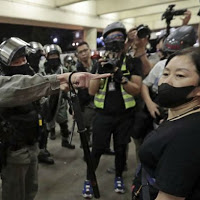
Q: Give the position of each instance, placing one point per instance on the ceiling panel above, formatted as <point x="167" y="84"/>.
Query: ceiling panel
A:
<point x="95" y="13"/>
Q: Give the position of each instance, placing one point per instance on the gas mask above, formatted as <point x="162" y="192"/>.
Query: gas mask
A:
<point x="114" y="43"/>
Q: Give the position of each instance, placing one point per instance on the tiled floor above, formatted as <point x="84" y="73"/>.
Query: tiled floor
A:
<point x="64" y="180"/>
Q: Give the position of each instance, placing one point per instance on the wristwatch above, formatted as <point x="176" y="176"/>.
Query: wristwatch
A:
<point x="124" y="80"/>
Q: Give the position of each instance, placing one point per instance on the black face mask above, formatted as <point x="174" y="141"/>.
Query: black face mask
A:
<point x="13" y="70"/>
<point x="114" y="46"/>
<point x="53" y="63"/>
<point x="34" y="60"/>
<point x="115" y="42"/>
<point x="171" y="97"/>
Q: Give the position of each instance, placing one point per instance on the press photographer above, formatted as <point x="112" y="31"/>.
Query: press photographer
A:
<point x="114" y="44"/>
<point x="136" y="45"/>
<point x="114" y="101"/>
<point x="169" y="14"/>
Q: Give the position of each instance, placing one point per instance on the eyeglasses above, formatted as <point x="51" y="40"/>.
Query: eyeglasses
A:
<point x="83" y="51"/>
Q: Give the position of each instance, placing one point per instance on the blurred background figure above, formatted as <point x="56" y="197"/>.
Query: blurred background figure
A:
<point x="95" y="56"/>
<point x="69" y="63"/>
<point x="33" y="59"/>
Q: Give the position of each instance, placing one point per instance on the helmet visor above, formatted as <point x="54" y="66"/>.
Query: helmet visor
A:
<point x="9" y="48"/>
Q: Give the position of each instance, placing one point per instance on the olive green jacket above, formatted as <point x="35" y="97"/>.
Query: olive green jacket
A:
<point x="22" y="89"/>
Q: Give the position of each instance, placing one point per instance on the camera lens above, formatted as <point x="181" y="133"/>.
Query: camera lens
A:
<point x="143" y="31"/>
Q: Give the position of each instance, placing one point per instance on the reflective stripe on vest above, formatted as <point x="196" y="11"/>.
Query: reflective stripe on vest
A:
<point x="99" y="98"/>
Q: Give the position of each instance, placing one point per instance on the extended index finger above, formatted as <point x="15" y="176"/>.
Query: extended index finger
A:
<point x="98" y="76"/>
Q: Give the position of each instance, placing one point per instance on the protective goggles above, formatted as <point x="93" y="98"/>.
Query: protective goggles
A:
<point x="114" y="37"/>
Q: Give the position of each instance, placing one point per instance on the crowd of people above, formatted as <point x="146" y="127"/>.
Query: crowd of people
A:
<point x="122" y="96"/>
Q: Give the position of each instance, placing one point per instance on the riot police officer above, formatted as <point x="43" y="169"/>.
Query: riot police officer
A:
<point x="34" y="60"/>
<point x="19" y="172"/>
<point x="69" y="63"/>
<point x="53" y="66"/>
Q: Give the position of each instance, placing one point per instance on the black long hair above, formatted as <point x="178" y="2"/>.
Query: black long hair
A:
<point x="192" y="52"/>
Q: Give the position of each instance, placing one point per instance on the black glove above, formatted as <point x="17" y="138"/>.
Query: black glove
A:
<point x="118" y="76"/>
<point x="100" y="69"/>
<point x="106" y="66"/>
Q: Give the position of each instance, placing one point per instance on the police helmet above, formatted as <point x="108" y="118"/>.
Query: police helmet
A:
<point x="37" y="46"/>
<point x="181" y="38"/>
<point x="68" y="59"/>
<point x="13" y="48"/>
<point x="116" y="26"/>
<point x="52" y="49"/>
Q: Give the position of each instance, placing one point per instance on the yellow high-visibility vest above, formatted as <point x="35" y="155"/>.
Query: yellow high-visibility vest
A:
<point x="129" y="100"/>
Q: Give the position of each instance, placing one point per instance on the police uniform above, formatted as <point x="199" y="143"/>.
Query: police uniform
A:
<point x="26" y="88"/>
<point x="19" y="145"/>
<point x="54" y="66"/>
<point x="21" y="168"/>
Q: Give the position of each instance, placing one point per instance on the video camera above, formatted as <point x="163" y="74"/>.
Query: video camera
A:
<point x="170" y="12"/>
<point x="143" y="31"/>
<point x="110" y="62"/>
<point x="110" y="65"/>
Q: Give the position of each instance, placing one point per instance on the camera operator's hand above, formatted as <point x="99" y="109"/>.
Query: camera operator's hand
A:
<point x="100" y="69"/>
<point x="118" y="75"/>
<point x="131" y="35"/>
<point x="106" y="66"/>
<point x="141" y="43"/>
<point x="187" y="17"/>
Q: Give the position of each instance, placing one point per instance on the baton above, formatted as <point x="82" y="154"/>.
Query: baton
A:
<point x="72" y="131"/>
<point x="82" y="131"/>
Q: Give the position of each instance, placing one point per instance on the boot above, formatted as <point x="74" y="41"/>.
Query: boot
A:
<point x="65" y="136"/>
<point x="44" y="158"/>
<point x="65" y="143"/>
<point x="52" y="134"/>
<point x="47" y="152"/>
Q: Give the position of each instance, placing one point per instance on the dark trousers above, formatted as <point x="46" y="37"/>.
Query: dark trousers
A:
<point x="103" y="126"/>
